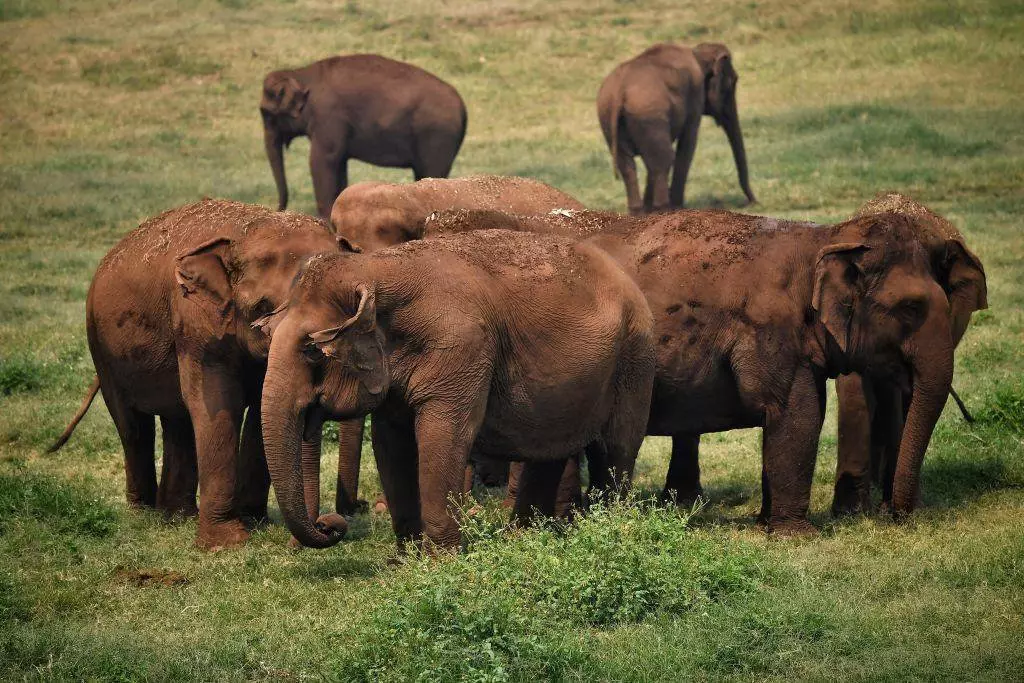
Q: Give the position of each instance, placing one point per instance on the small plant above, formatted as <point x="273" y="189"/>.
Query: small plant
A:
<point x="1006" y="408"/>
<point x="20" y="374"/>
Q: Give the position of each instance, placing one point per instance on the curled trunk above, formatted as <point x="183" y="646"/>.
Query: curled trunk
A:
<point x="275" y="153"/>
<point x="283" y="428"/>
<point x="932" y="363"/>
<point x="731" y="124"/>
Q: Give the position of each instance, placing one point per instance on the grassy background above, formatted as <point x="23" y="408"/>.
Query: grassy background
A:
<point x="113" y="111"/>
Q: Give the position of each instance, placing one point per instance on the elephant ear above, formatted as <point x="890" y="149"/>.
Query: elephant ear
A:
<point x="356" y="344"/>
<point x="285" y="94"/>
<point x="964" y="276"/>
<point x="837" y="274"/>
<point x="204" y="276"/>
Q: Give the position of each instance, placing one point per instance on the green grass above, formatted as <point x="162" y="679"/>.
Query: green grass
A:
<point x="115" y="111"/>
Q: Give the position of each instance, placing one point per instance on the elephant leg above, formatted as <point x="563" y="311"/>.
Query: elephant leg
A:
<point x="137" y="431"/>
<point x="179" y="475"/>
<point x="853" y="465"/>
<point x="216" y="403"/>
<point x="538" y="488"/>
<point x="886" y="433"/>
<point x="350" y="453"/>
<point x="253" y="484"/>
<point x="684" y="157"/>
<point x="394" y="449"/>
<point x="627" y="169"/>
<point x="568" y="497"/>
<point x="444" y="442"/>
<point x="515" y="476"/>
<point x="329" y="168"/>
<point x="654" y="143"/>
<point x="682" y="484"/>
<point x="790" y="446"/>
<point x="601" y="483"/>
<point x="435" y="156"/>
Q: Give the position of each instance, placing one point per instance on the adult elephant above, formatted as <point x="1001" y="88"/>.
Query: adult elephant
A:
<point x="656" y="100"/>
<point x="752" y="315"/>
<point x="364" y="107"/>
<point x="872" y="410"/>
<point x="370" y="216"/>
<point x="168" y="316"/>
<point x="529" y="344"/>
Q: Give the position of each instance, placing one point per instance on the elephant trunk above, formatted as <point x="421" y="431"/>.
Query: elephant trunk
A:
<point x="284" y="423"/>
<point x="731" y="123"/>
<point x="932" y="363"/>
<point x="274" y="143"/>
<point x="310" y="457"/>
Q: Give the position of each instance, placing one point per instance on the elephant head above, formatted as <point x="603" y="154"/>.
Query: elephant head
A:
<point x="327" y="361"/>
<point x="377" y="215"/>
<point x="285" y="117"/>
<point x="720" y="79"/>
<point x="875" y="293"/>
<point x="234" y="281"/>
<point x="957" y="269"/>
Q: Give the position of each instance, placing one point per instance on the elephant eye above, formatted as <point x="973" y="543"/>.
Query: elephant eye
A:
<point x="911" y="310"/>
<point x="312" y="352"/>
<point x="263" y="307"/>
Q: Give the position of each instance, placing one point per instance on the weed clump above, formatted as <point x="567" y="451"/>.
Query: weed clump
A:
<point x="21" y="374"/>
<point x="1006" y="409"/>
<point x="511" y="606"/>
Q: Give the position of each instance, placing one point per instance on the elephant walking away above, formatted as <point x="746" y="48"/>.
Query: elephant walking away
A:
<point x="656" y="100"/>
<point x="168" y="317"/>
<point x="752" y="314"/>
<point x="529" y="344"/>
<point x="371" y="216"/>
<point x="364" y="107"/>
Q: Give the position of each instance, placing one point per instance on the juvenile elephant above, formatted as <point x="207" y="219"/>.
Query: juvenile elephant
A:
<point x="364" y="107"/>
<point x="872" y="409"/>
<point x="753" y="314"/>
<point x="529" y="344"/>
<point x="656" y="100"/>
<point x="168" y="318"/>
<point x="371" y="216"/>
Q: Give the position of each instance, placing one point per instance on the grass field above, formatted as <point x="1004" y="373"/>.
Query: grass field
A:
<point x="114" y="111"/>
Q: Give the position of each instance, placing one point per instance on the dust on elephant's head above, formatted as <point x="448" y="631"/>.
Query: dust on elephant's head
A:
<point x="875" y="294"/>
<point x="231" y="282"/>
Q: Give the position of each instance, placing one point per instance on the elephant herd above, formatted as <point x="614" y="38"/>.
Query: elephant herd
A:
<point x="487" y="320"/>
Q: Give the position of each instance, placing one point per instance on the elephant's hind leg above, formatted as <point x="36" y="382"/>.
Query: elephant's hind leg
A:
<point x="653" y="141"/>
<point x="179" y="476"/>
<point x="137" y="431"/>
<point x="682" y="484"/>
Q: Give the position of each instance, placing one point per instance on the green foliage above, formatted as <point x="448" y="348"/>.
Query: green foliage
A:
<point x="1006" y="409"/>
<point x="21" y="374"/>
<point x="63" y="506"/>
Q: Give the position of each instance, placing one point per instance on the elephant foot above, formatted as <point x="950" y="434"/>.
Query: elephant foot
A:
<point x="380" y="506"/>
<point x="218" y="536"/>
<point x="137" y="503"/>
<point x="847" y="506"/>
<point x="358" y="508"/>
<point x="791" y="528"/>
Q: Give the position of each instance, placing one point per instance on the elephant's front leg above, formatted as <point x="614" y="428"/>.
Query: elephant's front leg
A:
<point x="350" y="451"/>
<point x="394" y="449"/>
<point x="329" y="168"/>
<point x="443" y="437"/>
<point x="216" y="402"/>
<point x="853" y="465"/>
<point x="790" y="447"/>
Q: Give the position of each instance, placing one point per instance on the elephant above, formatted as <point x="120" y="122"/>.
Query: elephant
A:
<point x="752" y="314"/>
<point x="656" y="99"/>
<point x="371" y="216"/>
<point x="364" y="107"/>
<point x="871" y="410"/>
<point x="168" y="317"/>
<point x="529" y="344"/>
<point x="377" y="215"/>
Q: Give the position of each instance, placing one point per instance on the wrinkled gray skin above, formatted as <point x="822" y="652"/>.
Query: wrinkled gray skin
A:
<point x="364" y="107"/>
<point x="528" y="344"/>
<point x="656" y="100"/>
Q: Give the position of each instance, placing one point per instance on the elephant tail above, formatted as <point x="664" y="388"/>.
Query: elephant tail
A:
<point x="82" y="410"/>
<point x="613" y="143"/>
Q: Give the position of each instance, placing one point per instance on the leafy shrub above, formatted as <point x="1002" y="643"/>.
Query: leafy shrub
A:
<point x="1006" y="409"/>
<point x="510" y="605"/>
<point x="68" y="507"/>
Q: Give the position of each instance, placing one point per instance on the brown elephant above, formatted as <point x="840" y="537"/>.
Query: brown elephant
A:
<point x="752" y="315"/>
<point x="872" y="410"/>
<point x="364" y="107"/>
<point x="168" y="318"/>
<point x="371" y="216"/>
<point x="529" y="344"/>
<point x="656" y="100"/>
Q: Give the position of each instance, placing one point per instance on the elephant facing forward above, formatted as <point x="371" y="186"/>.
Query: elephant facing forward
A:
<point x="168" y="317"/>
<point x="656" y="100"/>
<point x="364" y="107"/>
<point x="529" y="345"/>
